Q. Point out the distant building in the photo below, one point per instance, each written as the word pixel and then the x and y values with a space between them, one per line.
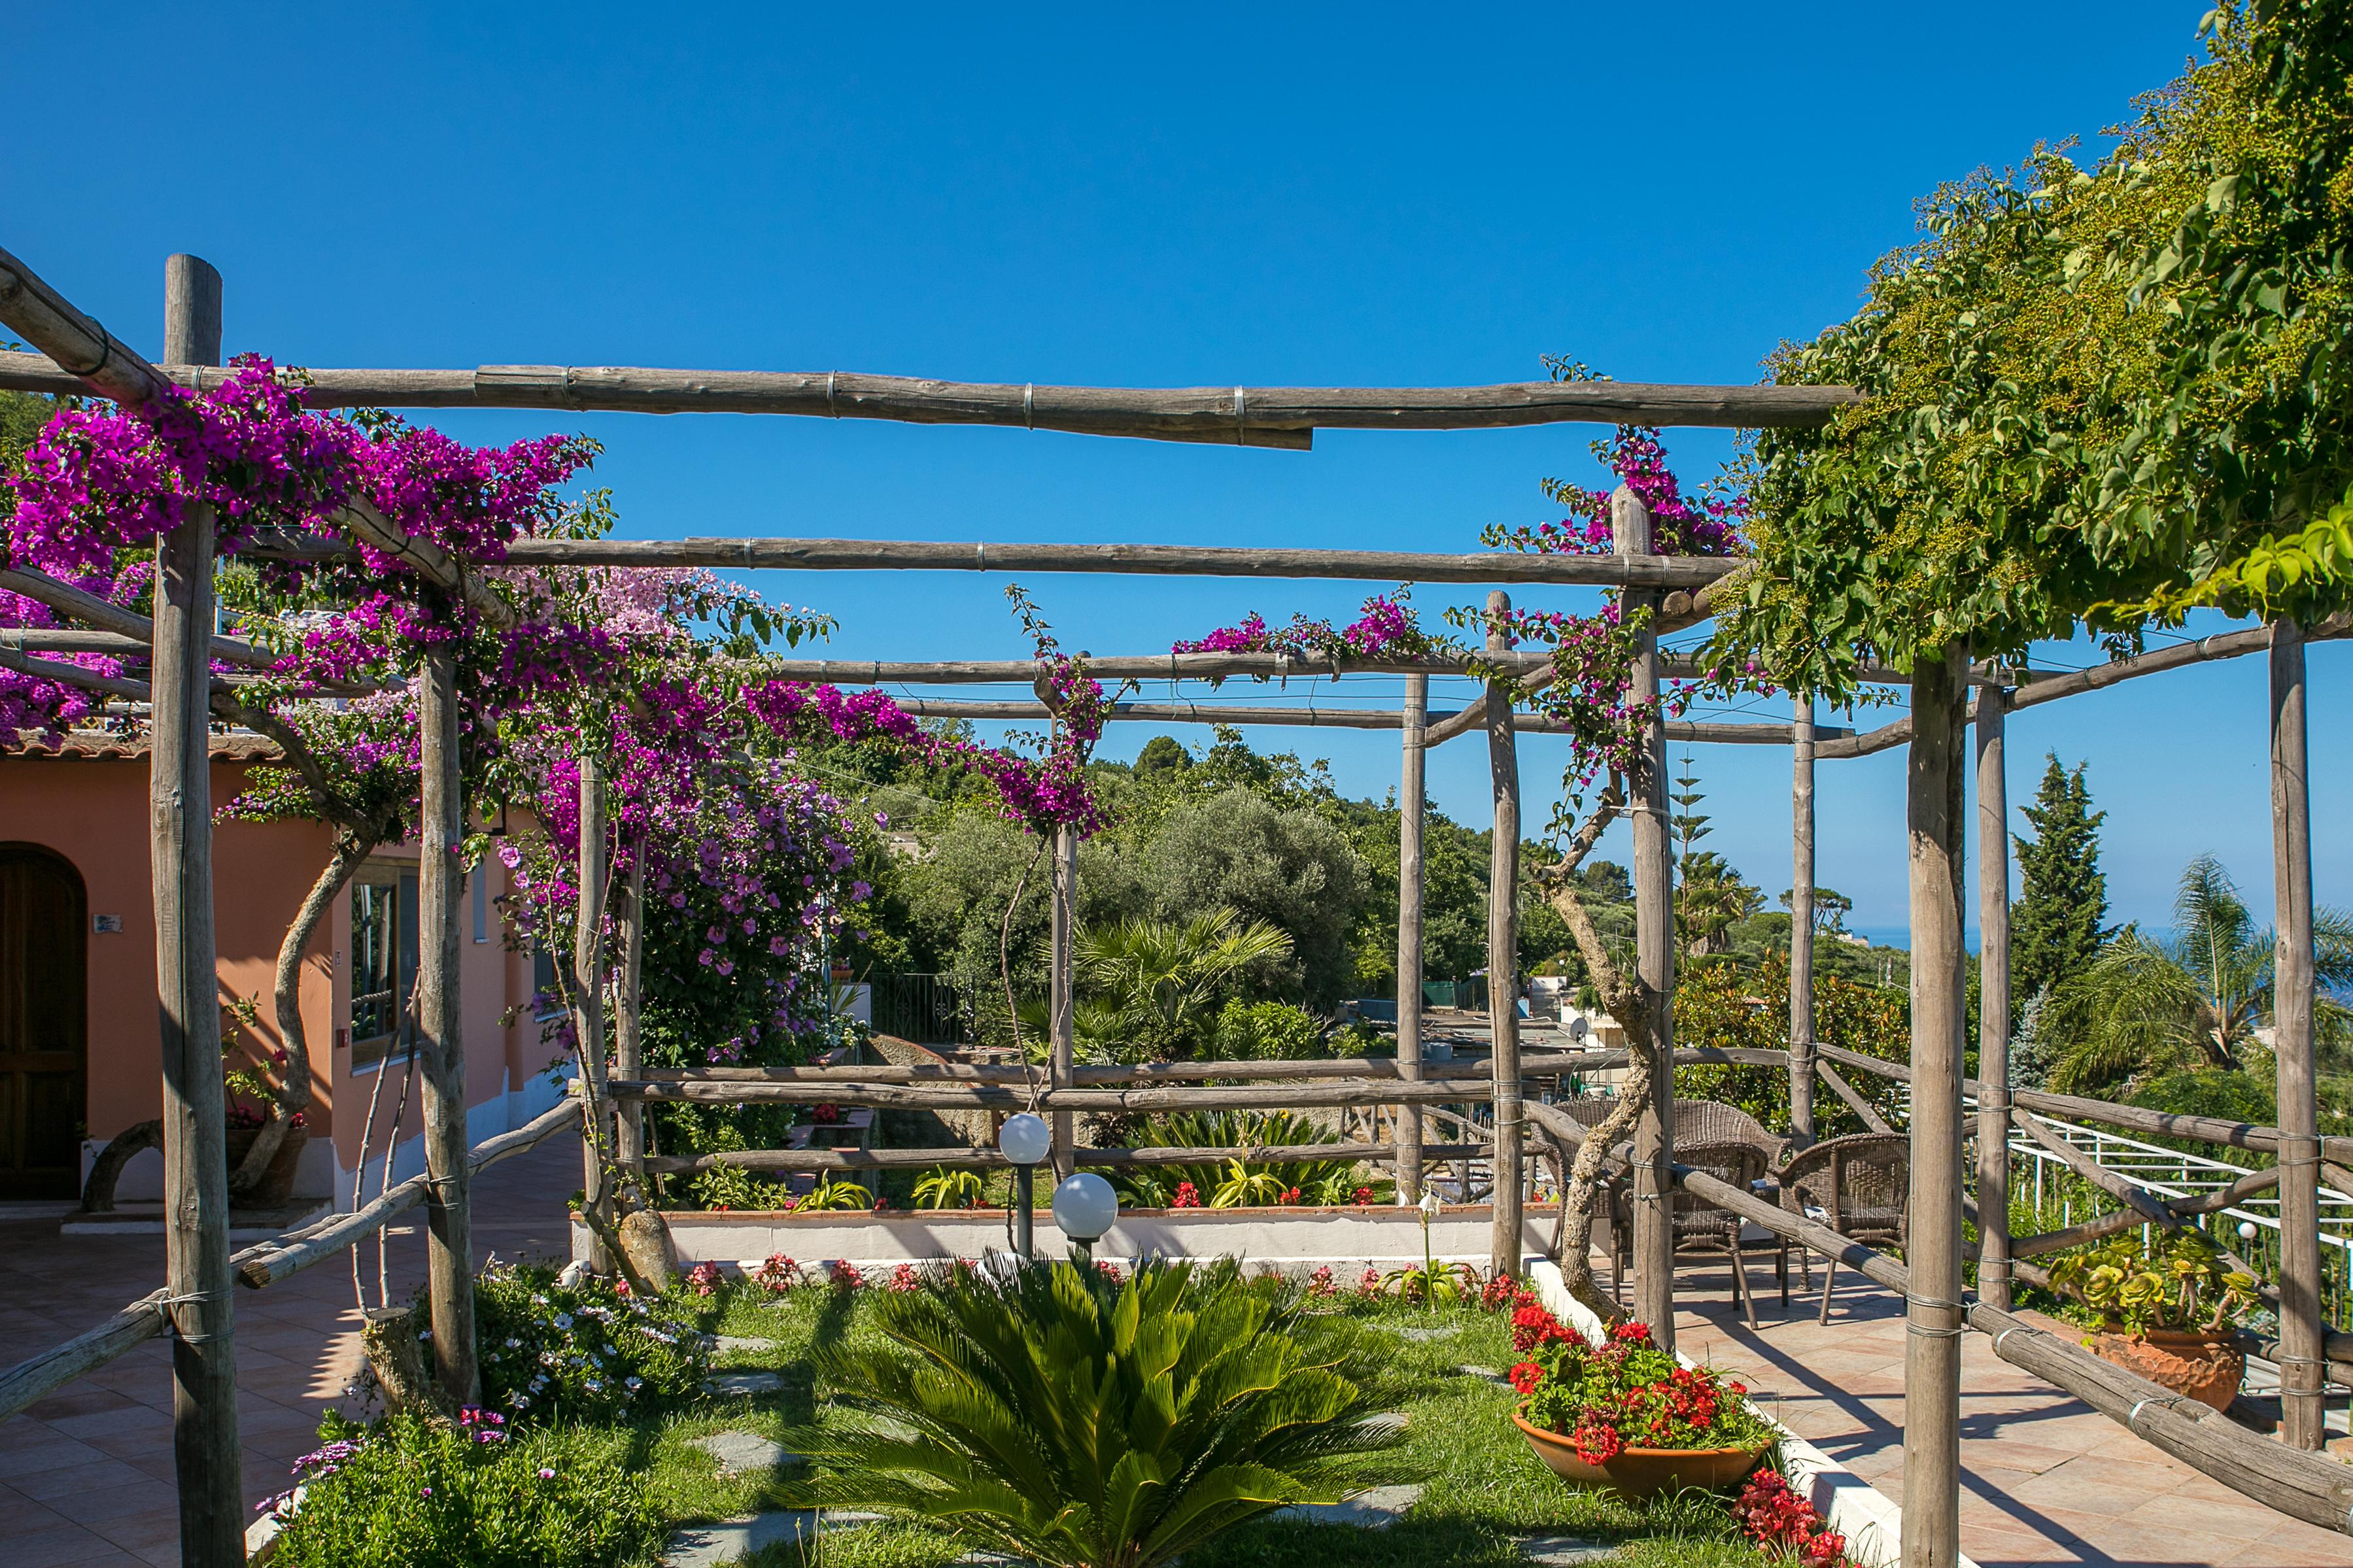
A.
pixel 79 1053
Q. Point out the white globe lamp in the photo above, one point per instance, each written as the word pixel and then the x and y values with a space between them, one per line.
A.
pixel 1024 1140
pixel 1085 1207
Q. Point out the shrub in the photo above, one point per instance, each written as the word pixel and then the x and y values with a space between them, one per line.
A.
pixel 407 1494
pixel 1268 1031
pixel 582 1353
pixel 1075 1421
pixel 1627 1393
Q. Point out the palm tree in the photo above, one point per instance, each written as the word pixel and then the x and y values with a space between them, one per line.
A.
pixel 2195 999
pixel 1078 1424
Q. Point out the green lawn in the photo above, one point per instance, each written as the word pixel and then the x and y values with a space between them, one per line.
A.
pixel 1482 1489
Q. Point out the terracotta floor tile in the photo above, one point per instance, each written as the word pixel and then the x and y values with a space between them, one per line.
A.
pixel 69 1546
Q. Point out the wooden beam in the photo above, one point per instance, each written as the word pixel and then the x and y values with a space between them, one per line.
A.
pixel 1803 739
pixel 587 988
pixel 1532 666
pixel 1503 953
pixel 1127 559
pixel 197 1279
pixel 1855 1102
pixel 990 1160
pixel 1411 810
pixel 1474 1070
pixel 78 354
pixel 2149 1206
pixel 1061 986
pixel 441 1024
pixel 133 633
pixel 2247 1186
pixel 2303 1422
pixel 1654 943
pixel 38 1376
pixel 628 1048
pixel 1932 1352
pixel 992 1097
pixel 1993 1006
pixel 1219 416
pixel 1014 712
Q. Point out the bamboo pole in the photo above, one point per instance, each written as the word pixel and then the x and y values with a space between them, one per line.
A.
pixel 1932 1352
pixel 629 1047
pixel 449 1247
pixel 197 1280
pixel 1411 808
pixel 2303 1423
pixel 1221 415
pixel 1654 943
pixel 597 1141
pixel 1993 1001
pixel 1504 952
pixel 1801 921
pixel 1061 991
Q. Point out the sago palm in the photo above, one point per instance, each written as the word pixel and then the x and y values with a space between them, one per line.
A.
pixel 2195 999
pixel 1174 971
pixel 1077 1424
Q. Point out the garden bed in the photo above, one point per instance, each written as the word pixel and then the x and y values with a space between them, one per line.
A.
pixel 1459 1487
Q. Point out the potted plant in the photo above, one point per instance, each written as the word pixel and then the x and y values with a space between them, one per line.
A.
pixel 1625 1415
pixel 2169 1310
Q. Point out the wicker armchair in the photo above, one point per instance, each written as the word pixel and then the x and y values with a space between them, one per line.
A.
pixel 1726 1143
pixel 1859 1185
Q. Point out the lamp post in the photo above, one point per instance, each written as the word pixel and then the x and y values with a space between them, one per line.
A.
pixel 1084 1207
pixel 1025 1139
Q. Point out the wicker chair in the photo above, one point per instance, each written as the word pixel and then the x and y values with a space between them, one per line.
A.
pixel 1721 1140
pixel 1859 1185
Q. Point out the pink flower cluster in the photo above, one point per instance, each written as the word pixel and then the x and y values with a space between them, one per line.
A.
pixel 1680 525
pixel 1386 629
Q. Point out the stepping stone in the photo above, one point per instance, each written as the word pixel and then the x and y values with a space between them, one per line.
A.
pixel 746 1451
pixel 1375 1510
pixel 734 1539
pixel 1425 1336
pixel 1563 1551
pixel 737 1344
pixel 742 1384
pixel 1388 1424
pixel 1484 1374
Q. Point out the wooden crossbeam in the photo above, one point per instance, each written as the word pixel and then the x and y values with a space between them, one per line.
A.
pixel 1281 417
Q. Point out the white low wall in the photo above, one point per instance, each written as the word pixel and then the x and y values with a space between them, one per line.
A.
pixel 1349 1240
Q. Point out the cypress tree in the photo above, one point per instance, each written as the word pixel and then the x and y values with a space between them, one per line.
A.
pixel 2060 922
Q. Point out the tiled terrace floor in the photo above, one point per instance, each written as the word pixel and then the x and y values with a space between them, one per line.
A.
pixel 86 1476
pixel 2046 1478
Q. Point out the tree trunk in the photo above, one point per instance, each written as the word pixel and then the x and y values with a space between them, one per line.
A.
pixel 294 1093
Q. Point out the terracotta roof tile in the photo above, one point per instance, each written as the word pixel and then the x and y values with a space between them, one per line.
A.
pixel 100 745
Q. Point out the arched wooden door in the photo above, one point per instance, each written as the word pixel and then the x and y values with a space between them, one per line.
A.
pixel 44 1023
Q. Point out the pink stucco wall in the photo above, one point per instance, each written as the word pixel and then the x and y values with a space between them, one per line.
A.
pixel 93 809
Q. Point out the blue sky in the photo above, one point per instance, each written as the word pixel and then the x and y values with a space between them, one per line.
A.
pixel 1294 196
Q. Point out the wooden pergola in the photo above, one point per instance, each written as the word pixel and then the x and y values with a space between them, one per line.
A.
pixel 76 354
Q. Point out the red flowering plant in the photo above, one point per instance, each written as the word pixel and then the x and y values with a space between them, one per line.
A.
pixel 1626 1393
pixel 1780 1521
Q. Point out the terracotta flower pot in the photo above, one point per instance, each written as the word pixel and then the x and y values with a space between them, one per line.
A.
pixel 1641 1472
pixel 276 1188
pixel 2202 1364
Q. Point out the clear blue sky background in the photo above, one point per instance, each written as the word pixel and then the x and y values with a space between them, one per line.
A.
pixel 1269 195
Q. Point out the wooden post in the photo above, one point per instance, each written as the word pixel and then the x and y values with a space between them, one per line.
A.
pixel 187 992
pixel 449 1246
pixel 1410 810
pixel 1993 1004
pixel 1504 952
pixel 628 1045
pixel 1654 943
pixel 1932 1347
pixel 1801 923
pixel 589 993
pixel 2301 1327
pixel 1063 1023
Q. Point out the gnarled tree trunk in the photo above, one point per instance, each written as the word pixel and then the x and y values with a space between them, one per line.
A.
pixel 294 1092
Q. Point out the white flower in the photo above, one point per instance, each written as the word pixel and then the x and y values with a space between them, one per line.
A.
pixel 595 1386
pixel 563 1320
